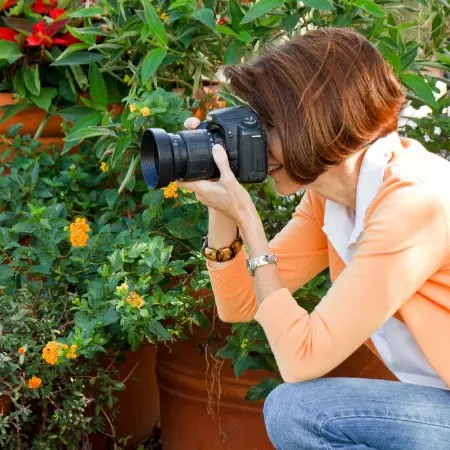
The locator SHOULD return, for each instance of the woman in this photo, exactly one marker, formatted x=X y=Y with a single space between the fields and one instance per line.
x=376 y=211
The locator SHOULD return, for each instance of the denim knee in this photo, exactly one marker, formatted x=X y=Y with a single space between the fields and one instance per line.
x=292 y=417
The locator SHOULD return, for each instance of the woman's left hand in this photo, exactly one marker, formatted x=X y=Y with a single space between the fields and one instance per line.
x=225 y=195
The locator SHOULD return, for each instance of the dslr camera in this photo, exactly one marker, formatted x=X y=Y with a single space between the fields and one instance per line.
x=187 y=155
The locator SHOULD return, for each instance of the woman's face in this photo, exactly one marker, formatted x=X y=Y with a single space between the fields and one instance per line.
x=283 y=184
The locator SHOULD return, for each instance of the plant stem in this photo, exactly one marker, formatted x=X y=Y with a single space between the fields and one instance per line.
x=42 y=126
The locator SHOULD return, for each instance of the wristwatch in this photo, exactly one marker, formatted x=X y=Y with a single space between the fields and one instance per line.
x=258 y=261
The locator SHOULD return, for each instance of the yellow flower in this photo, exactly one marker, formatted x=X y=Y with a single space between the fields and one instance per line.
x=72 y=352
x=72 y=167
x=134 y=299
x=122 y=287
x=78 y=232
x=171 y=191
x=34 y=382
x=104 y=167
x=50 y=353
x=244 y=343
x=164 y=16
x=127 y=78
x=21 y=351
x=132 y=107
x=145 y=112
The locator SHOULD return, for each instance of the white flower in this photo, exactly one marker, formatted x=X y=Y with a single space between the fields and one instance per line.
x=426 y=138
x=437 y=130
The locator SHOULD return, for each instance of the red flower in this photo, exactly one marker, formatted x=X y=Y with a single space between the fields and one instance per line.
x=41 y=8
x=222 y=21
x=6 y=34
x=54 y=13
x=66 y=40
x=40 y=36
x=8 y=4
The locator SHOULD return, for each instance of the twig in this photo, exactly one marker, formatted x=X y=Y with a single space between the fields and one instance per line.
x=131 y=373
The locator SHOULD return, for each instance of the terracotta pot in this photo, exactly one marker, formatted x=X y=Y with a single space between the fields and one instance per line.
x=187 y=414
x=138 y=404
x=5 y=405
x=192 y=418
x=31 y=118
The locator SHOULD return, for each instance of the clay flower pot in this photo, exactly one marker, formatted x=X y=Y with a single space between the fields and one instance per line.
x=138 y=403
x=31 y=118
x=202 y=402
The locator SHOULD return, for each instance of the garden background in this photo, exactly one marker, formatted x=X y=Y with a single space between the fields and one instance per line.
x=97 y=272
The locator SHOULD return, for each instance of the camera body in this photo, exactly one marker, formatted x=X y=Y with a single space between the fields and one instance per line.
x=187 y=155
x=244 y=140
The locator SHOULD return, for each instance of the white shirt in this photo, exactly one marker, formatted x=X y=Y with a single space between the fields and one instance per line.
x=393 y=340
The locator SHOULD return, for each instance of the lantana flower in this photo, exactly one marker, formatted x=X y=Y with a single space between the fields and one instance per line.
x=171 y=191
x=78 y=232
x=134 y=299
x=34 y=382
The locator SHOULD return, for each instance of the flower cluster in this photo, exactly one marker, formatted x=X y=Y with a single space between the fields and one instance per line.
x=34 y=382
x=42 y=34
x=171 y=191
x=54 y=351
x=104 y=167
x=78 y=232
x=145 y=111
x=123 y=287
x=135 y=300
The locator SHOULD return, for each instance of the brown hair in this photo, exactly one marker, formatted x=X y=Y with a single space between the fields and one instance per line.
x=328 y=93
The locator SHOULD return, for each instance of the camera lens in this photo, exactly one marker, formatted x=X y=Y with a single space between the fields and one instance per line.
x=186 y=155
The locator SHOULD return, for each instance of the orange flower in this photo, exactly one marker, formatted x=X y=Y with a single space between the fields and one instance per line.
x=34 y=382
x=50 y=353
x=21 y=351
x=72 y=352
x=134 y=299
x=170 y=191
x=78 y=232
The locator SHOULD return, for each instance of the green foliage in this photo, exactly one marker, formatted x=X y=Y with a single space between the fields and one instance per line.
x=122 y=275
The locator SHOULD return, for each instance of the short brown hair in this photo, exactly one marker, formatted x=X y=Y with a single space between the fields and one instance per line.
x=328 y=93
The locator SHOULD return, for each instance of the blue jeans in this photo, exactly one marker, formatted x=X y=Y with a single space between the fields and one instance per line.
x=356 y=414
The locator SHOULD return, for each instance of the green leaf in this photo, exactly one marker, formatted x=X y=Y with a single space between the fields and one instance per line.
x=153 y=199
x=206 y=17
x=154 y=23
x=121 y=145
x=262 y=390
x=236 y=14
x=74 y=113
x=420 y=87
x=390 y=55
x=409 y=57
x=259 y=9
x=97 y=86
x=110 y=316
x=436 y=26
x=73 y=49
x=156 y=328
x=443 y=58
x=319 y=4
x=182 y=229
x=152 y=61
x=90 y=132
x=226 y=30
x=24 y=227
x=44 y=99
x=79 y=58
x=290 y=21
x=233 y=53
x=244 y=36
x=243 y=363
x=19 y=84
x=32 y=80
x=370 y=7
x=86 y=12
x=9 y=52
x=111 y=197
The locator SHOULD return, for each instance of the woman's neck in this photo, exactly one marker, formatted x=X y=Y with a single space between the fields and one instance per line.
x=340 y=183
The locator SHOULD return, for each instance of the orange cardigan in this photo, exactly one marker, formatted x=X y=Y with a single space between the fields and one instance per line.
x=401 y=266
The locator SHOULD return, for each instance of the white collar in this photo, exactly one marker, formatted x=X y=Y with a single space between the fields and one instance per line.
x=342 y=228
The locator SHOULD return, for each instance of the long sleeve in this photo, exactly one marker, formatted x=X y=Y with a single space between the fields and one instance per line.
x=403 y=244
x=301 y=249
